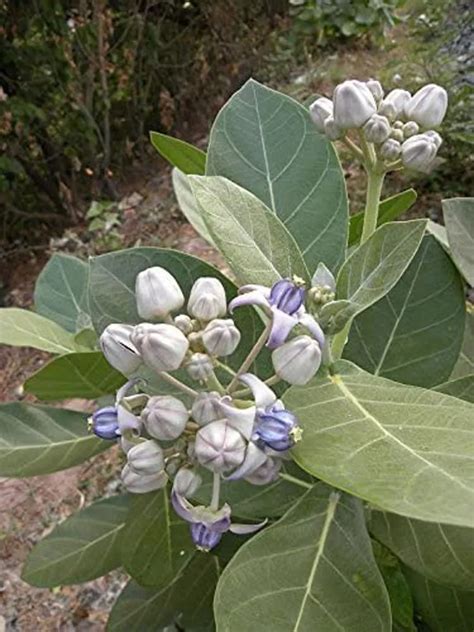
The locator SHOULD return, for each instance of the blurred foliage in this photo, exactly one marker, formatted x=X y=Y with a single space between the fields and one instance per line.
x=82 y=82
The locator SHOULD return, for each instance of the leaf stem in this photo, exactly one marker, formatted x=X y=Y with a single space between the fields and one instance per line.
x=251 y=356
x=374 y=189
x=296 y=481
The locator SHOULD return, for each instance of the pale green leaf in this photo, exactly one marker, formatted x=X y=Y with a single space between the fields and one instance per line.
x=185 y=157
x=85 y=546
x=266 y=142
x=188 y=205
x=255 y=243
x=404 y=449
x=463 y=388
x=87 y=375
x=312 y=570
x=459 y=220
x=465 y=364
x=40 y=440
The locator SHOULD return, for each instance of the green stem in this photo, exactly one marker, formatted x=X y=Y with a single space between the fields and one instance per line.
x=371 y=214
x=216 y=488
x=213 y=383
x=251 y=356
x=296 y=481
x=179 y=385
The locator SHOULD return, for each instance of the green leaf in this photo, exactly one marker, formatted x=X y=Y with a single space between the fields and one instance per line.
x=188 y=205
x=374 y=267
x=389 y=210
x=186 y=157
x=414 y=333
x=186 y=601
x=459 y=219
x=465 y=364
x=22 y=328
x=441 y=552
x=402 y=448
x=312 y=570
x=87 y=375
x=61 y=292
x=85 y=546
x=39 y=440
x=156 y=543
x=439 y=233
x=266 y=142
x=463 y=388
x=443 y=609
x=255 y=243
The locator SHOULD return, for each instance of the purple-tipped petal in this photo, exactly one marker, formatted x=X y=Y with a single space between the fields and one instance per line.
x=287 y=296
x=263 y=289
x=183 y=507
x=254 y=297
x=242 y=419
x=242 y=529
x=313 y=327
x=281 y=327
x=262 y=394
x=204 y=537
x=254 y=458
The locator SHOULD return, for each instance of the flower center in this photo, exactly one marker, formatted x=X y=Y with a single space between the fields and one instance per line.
x=287 y=296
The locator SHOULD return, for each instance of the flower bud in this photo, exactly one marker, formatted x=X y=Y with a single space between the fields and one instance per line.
x=184 y=323
x=221 y=337
x=390 y=149
x=157 y=293
x=118 y=349
x=354 y=104
x=186 y=482
x=199 y=367
x=219 y=447
x=162 y=346
x=297 y=360
x=397 y=125
x=139 y=484
x=323 y=278
x=397 y=135
x=319 y=111
x=377 y=129
x=418 y=152
x=104 y=423
x=394 y=104
x=410 y=129
x=165 y=417
x=207 y=299
x=376 y=88
x=267 y=473
x=428 y=106
x=332 y=131
x=435 y=137
x=146 y=458
x=206 y=408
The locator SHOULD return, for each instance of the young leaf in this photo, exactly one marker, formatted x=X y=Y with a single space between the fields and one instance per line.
x=402 y=448
x=266 y=142
x=459 y=219
x=156 y=543
x=186 y=601
x=85 y=546
x=22 y=328
x=463 y=388
x=374 y=267
x=87 y=375
x=414 y=333
x=256 y=244
x=39 y=440
x=188 y=205
x=312 y=570
x=465 y=364
x=441 y=552
x=389 y=210
x=61 y=292
x=186 y=157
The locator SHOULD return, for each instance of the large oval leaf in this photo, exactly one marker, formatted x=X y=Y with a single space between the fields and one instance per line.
x=312 y=570
x=255 y=243
x=85 y=546
x=414 y=333
x=267 y=143
x=188 y=205
x=39 y=440
x=441 y=552
x=465 y=363
x=403 y=448
x=186 y=157
x=459 y=219
x=463 y=388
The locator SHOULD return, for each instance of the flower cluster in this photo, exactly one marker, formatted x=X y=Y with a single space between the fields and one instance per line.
x=236 y=430
x=398 y=125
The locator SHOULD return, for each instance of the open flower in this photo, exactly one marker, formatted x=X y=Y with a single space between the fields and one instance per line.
x=284 y=303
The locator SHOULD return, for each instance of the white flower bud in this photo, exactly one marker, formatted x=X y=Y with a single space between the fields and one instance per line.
x=186 y=482
x=139 y=484
x=398 y=100
x=162 y=346
x=165 y=417
x=207 y=299
x=418 y=152
x=397 y=125
x=390 y=149
x=157 y=293
x=267 y=473
x=435 y=137
x=206 y=408
x=319 y=111
x=377 y=129
x=376 y=88
x=146 y=458
x=219 y=447
x=297 y=361
x=332 y=131
x=410 y=129
x=221 y=337
x=184 y=323
x=354 y=104
x=199 y=367
x=118 y=348
x=428 y=106
x=397 y=135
